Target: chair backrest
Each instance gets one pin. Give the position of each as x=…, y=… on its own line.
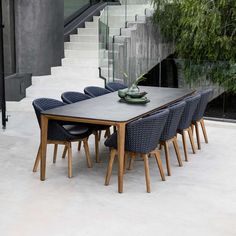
x=189, y=109
x=55, y=130
x=95, y=91
x=175, y=113
x=143, y=135
x=72, y=97
x=43, y=104
x=112, y=86
x=201, y=107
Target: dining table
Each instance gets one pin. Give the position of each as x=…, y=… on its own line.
x=109, y=110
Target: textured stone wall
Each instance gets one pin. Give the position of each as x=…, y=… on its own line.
x=139, y=48
x=39, y=29
x=8, y=36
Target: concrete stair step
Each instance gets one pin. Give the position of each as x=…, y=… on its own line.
x=132, y=7
x=91, y=24
x=80, y=62
x=75, y=70
x=114, y=31
x=81, y=54
x=87, y=31
x=84, y=38
x=79, y=45
x=96, y=18
x=106, y=72
x=63, y=81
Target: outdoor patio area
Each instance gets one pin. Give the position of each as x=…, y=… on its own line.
x=198, y=199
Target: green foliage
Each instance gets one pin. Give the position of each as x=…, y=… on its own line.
x=204, y=32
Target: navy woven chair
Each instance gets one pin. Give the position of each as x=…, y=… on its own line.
x=186, y=120
x=113, y=86
x=142, y=138
x=72, y=97
x=61, y=133
x=198, y=115
x=94, y=91
x=170, y=132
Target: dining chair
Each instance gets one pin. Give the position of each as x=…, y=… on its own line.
x=169, y=133
x=198, y=115
x=61, y=133
x=186, y=120
x=94, y=91
x=142, y=138
x=113, y=86
x=74, y=96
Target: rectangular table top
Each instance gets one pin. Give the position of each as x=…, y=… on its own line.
x=108, y=108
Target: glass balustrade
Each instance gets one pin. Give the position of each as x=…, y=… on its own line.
x=113, y=48
x=72, y=6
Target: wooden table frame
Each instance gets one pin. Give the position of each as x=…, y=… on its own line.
x=120, y=140
x=120, y=124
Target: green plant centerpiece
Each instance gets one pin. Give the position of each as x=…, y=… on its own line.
x=133, y=93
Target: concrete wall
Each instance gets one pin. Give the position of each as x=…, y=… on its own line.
x=134, y=2
x=200, y=84
x=139, y=48
x=39, y=29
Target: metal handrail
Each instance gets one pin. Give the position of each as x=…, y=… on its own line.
x=2, y=79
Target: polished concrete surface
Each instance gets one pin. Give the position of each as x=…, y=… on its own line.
x=198, y=199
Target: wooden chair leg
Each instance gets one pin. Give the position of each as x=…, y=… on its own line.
x=64, y=152
x=176, y=147
x=147, y=174
x=99, y=135
x=131, y=161
x=69, y=160
x=96, y=134
x=110, y=165
x=125, y=161
x=79, y=145
x=192, y=128
x=198, y=136
x=204, y=130
x=159, y=164
x=87, y=153
x=184, y=146
x=190, y=134
x=107, y=133
x=167, y=154
x=55, y=153
x=37, y=160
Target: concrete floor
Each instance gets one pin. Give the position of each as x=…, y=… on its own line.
x=198, y=199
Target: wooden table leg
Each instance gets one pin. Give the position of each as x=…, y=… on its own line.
x=121, y=154
x=44, y=135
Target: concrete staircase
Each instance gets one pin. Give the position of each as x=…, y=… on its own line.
x=79, y=67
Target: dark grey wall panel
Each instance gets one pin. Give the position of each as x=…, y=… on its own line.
x=8, y=36
x=39, y=35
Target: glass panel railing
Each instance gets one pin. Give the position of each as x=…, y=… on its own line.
x=103, y=30
x=72, y=6
x=113, y=20
x=201, y=75
x=218, y=75
x=180, y=73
